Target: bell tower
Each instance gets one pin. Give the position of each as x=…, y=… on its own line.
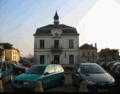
x=56, y=19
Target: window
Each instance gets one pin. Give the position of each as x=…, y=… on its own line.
x=36, y=70
x=41, y=44
x=13, y=52
x=57, y=68
x=83, y=53
x=42, y=59
x=50, y=69
x=56, y=44
x=88, y=60
x=70, y=43
x=88, y=53
x=92, y=53
x=4, y=67
x=117, y=69
x=8, y=65
x=71, y=59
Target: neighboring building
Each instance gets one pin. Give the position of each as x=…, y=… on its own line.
x=56, y=42
x=88, y=53
x=2, y=53
x=11, y=54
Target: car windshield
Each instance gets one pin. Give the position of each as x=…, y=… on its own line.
x=88, y=69
x=35, y=70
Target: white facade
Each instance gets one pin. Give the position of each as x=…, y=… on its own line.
x=49, y=42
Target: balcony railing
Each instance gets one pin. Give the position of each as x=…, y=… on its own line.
x=56, y=49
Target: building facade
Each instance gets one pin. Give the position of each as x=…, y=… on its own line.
x=10, y=53
x=88, y=53
x=56, y=42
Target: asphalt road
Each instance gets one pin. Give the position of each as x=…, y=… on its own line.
x=68, y=87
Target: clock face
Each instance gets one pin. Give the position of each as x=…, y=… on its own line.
x=56, y=34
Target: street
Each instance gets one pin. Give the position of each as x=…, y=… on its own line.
x=68, y=87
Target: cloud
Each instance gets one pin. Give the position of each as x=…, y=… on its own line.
x=101, y=24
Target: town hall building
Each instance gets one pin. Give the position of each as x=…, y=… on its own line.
x=56, y=42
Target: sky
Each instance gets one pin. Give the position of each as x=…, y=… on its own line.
x=97, y=21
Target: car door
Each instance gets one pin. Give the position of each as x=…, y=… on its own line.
x=48, y=78
x=4, y=73
x=76, y=74
x=9, y=70
x=117, y=73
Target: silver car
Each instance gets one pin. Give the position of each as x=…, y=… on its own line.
x=96, y=77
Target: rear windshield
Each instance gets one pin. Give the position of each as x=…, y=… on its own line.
x=36, y=70
x=91, y=69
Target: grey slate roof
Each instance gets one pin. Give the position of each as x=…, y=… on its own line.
x=86, y=46
x=65, y=29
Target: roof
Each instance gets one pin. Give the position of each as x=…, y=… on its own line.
x=7, y=45
x=86, y=46
x=65, y=29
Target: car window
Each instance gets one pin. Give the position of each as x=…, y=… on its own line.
x=91, y=69
x=76, y=67
x=8, y=65
x=25, y=63
x=0, y=65
x=4, y=66
x=57, y=68
x=117, y=69
x=50, y=69
x=35, y=70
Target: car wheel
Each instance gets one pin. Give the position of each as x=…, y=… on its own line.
x=11, y=78
x=62, y=81
x=20, y=72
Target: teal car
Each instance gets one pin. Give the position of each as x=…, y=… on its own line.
x=48, y=74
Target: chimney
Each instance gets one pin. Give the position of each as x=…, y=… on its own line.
x=95, y=45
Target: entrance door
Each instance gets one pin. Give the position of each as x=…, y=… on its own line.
x=56, y=58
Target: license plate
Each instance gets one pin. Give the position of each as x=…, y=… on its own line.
x=17, y=86
x=103, y=90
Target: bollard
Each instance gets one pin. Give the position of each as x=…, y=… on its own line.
x=1, y=86
x=83, y=87
x=38, y=87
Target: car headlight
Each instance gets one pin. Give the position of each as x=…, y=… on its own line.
x=89, y=82
x=27, y=83
x=112, y=82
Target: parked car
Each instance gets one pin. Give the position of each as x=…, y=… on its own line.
x=27, y=64
x=48, y=74
x=96, y=77
x=109, y=65
x=104, y=65
x=115, y=72
x=114, y=65
x=6, y=72
x=17, y=68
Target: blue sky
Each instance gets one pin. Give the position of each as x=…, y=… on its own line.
x=93, y=19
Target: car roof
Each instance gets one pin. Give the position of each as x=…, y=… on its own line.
x=88, y=64
x=46, y=64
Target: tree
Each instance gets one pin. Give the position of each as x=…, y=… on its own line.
x=114, y=54
x=104, y=54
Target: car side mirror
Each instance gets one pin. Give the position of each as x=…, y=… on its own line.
x=46, y=73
